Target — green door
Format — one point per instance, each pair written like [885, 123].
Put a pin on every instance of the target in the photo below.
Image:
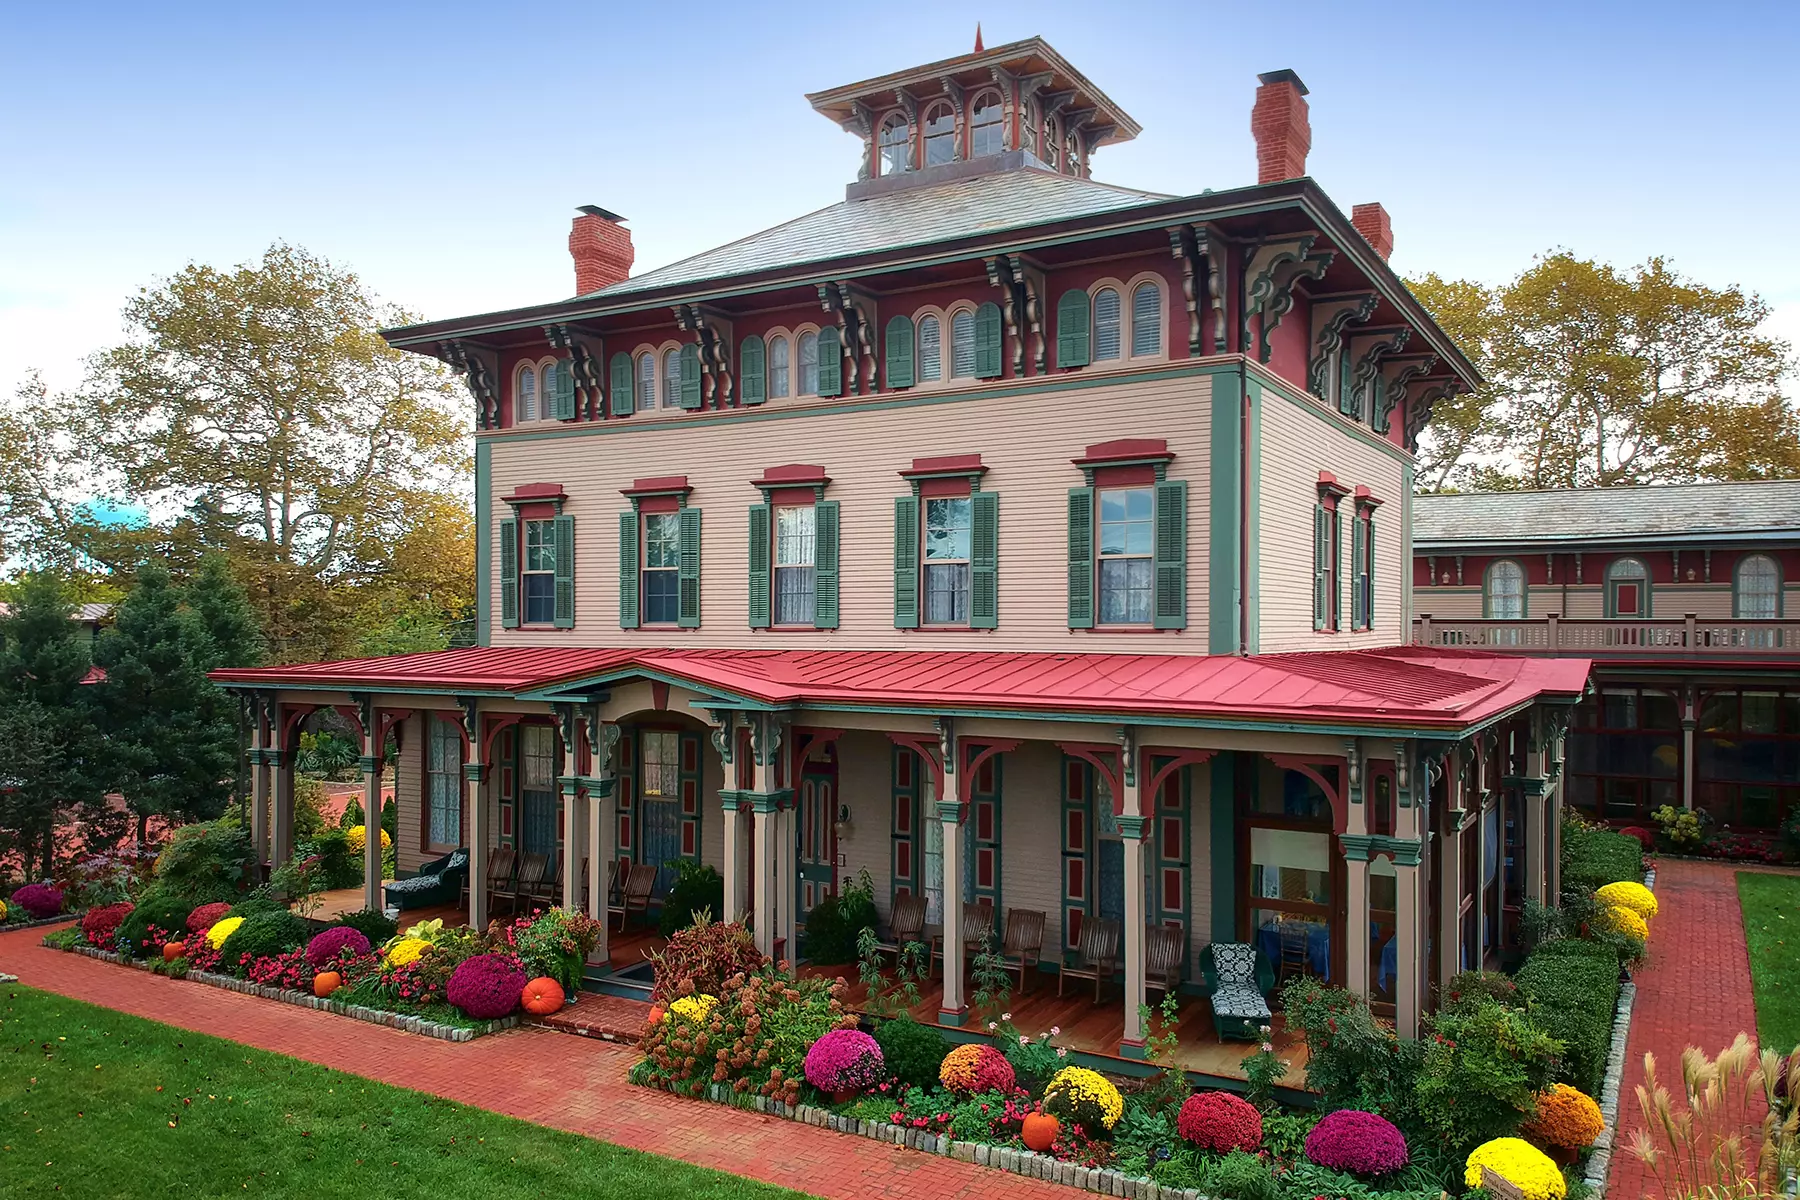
[815, 831]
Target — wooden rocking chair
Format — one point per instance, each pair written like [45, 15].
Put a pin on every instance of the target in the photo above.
[1165, 948]
[906, 926]
[1096, 953]
[1023, 943]
[977, 923]
[640, 882]
[500, 864]
[530, 875]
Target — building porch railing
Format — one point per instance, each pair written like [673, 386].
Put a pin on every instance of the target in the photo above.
[1687, 637]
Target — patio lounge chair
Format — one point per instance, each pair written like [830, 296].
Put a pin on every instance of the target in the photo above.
[1237, 977]
[906, 926]
[977, 923]
[1165, 947]
[640, 881]
[1096, 954]
[500, 864]
[439, 881]
[1023, 943]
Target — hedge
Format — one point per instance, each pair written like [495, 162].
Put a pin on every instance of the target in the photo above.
[1593, 858]
[1572, 988]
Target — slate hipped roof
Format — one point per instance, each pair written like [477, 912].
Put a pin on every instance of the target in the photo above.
[1681, 512]
[915, 217]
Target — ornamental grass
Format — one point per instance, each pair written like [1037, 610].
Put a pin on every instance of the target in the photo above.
[1220, 1122]
[1078, 1096]
[1625, 894]
[1739, 1128]
[975, 1067]
[1567, 1117]
[1519, 1163]
[1356, 1142]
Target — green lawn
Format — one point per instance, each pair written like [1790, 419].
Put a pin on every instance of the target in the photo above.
[1771, 905]
[95, 1103]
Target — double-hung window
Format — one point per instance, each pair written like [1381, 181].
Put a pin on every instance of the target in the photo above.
[931, 350]
[962, 344]
[1108, 343]
[778, 368]
[527, 407]
[947, 522]
[1126, 547]
[1362, 569]
[1325, 566]
[443, 768]
[646, 399]
[809, 364]
[795, 576]
[661, 588]
[538, 582]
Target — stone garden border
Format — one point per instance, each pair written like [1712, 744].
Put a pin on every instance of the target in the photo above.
[356, 1012]
[1599, 1164]
[41, 922]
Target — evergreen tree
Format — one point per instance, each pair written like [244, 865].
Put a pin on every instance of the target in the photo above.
[223, 607]
[50, 750]
[172, 733]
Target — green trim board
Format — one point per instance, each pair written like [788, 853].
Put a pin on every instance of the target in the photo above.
[483, 548]
[1222, 830]
[1252, 564]
[1225, 513]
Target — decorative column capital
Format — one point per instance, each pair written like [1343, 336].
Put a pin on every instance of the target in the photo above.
[1357, 846]
[950, 812]
[1132, 826]
[369, 763]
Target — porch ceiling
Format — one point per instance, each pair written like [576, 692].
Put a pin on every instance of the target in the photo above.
[1403, 687]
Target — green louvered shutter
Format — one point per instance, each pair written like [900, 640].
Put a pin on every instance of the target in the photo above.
[899, 345]
[1321, 547]
[628, 569]
[759, 566]
[1358, 614]
[509, 574]
[831, 362]
[689, 582]
[753, 375]
[624, 394]
[906, 562]
[987, 341]
[1368, 550]
[562, 399]
[1073, 329]
[1169, 600]
[1081, 558]
[564, 617]
[984, 560]
[825, 564]
[690, 376]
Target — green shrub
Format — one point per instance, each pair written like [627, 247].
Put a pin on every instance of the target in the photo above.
[1241, 1175]
[913, 1052]
[1571, 988]
[1351, 1060]
[1593, 858]
[339, 868]
[262, 900]
[697, 887]
[158, 907]
[1472, 987]
[375, 926]
[263, 935]
[835, 923]
[1484, 1065]
[205, 861]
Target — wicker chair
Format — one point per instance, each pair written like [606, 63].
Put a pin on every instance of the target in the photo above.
[1237, 976]
[1096, 953]
[1165, 948]
[500, 864]
[1023, 943]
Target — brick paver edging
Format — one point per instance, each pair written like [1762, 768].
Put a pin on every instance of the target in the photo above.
[1599, 1164]
[356, 1012]
[40, 922]
[1001, 1158]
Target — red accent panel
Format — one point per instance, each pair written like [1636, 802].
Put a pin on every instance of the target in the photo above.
[1171, 831]
[904, 824]
[984, 868]
[1077, 883]
[534, 512]
[535, 491]
[690, 797]
[943, 464]
[1076, 837]
[904, 770]
[1124, 450]
[659, 695]
[1142, 475]
[903, 860]
[687, 837]
[506, 820]
[659, 483]
[984, 822]
[1365, 498]
[1172, 889]
[659, 504]
[792, 495]
[937, 489]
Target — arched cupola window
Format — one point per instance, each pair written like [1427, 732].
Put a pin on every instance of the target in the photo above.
[940, 135]
[896, 145]
[987, 131]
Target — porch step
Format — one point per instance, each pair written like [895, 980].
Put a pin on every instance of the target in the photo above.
[631, 985]
[612, 1018]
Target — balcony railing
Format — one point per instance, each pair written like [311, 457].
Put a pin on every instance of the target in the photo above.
[1686, 637]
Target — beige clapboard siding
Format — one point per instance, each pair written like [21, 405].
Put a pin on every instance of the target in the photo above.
[1668, 601]
[1298, 441]
[1026, 442]
[409, 796]
[865, 783]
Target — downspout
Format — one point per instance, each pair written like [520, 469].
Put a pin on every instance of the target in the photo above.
[1245, 500]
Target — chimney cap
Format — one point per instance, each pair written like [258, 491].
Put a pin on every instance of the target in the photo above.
[594, 210]
[1283, 76]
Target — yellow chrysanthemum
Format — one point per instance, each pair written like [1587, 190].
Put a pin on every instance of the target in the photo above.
[1623, 920]
[1566, 1117]
[406, 950]
[356, 837]
[215, 937]
[1521, 1164]
[693, 1008]
[1079, 1083]
[1625, 894]
[2, 910]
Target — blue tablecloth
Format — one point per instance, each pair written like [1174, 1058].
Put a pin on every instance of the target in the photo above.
[1318, 947]
[1387, 969]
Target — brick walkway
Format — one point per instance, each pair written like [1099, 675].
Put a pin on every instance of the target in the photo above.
[576, 1084]
[1694, 991]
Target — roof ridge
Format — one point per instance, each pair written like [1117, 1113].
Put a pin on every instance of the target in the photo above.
[1597, 489]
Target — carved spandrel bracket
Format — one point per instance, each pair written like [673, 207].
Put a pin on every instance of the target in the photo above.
[1331, 315]
[1184, 245]
[857, 311]
[1367, 349]
[1262, 275]
[480, 370]
[713, 331]
[1019, 307]
[1397, 374]
[1281, 301]
[1422, 398]
[586, 355]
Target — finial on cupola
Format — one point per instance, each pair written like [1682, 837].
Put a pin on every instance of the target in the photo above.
[978, 46]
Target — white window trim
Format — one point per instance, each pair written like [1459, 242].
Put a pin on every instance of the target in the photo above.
[799, 332]
[793, 344]
[949, 346]
[1127, 326]
[921, 384]
[1005, 115]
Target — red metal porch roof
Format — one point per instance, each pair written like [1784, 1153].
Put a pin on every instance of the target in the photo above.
[1402, 685]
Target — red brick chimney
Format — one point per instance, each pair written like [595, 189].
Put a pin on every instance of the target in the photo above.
[601, 248]
[1371, 220]
[1278, 122]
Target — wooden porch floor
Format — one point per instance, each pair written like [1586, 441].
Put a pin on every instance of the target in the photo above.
[1095, 1029]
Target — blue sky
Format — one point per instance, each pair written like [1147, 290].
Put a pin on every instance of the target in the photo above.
[440, 149]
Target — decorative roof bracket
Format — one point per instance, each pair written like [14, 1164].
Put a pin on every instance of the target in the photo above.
[1330, 316]
[1269, 278]
[1397, 374]
[1003, 271]
[480, 369]
[1367, 348]
[586, 354]
[713, 333]
[1418, 414]
[856, 310]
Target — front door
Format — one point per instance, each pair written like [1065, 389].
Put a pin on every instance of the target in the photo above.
[816, 833]
[659, 794]
[537, 822]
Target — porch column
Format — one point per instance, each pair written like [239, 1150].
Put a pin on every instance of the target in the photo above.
[1131, 833]
[1356, 845]
[731, 810]
[282, 831]
[949, 812]
[1688, 723]
[259, 781]
[781, 823]
[1412, 792]
[1450, 893]
[574, 843]
[475, 806]
[762, 820]
[371, 772]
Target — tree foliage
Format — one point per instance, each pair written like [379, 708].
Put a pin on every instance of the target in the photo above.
[1599, 376]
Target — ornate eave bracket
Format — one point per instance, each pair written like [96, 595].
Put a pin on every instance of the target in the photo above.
[1269, 278]
[1021, 285]
[856, 313]
[1367, 350]
[1197, 250]
[480, 370]
[1330, 316]
[712, 329]
[586, 356]
[1425, 394]
[1397, 374]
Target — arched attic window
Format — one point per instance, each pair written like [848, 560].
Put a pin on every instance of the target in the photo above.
[1107, 338]
[1756, 588]
[1146, 320]
[940, 134]
[987, 131]
[896, 145]
[1504, 593]
[527, 408]
[778, 367]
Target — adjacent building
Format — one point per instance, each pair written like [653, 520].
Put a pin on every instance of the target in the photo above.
[1016, 538]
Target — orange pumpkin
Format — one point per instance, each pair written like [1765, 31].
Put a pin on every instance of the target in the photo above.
[656, 1014]
[1039, 1131]
[542, 996]
[173, 951]
[326, 982]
